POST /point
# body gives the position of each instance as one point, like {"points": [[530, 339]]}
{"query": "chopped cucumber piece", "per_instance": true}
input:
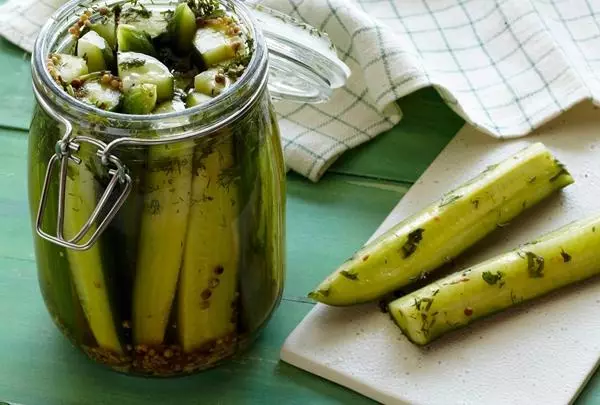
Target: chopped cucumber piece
{"points": [[140, 99], [166, 107], [153, 23], [137, 68], [102, 95], [215, 46], [195, 98], [69, 67], [95, 50], [211, 82], [182, 28], [107, 30], [131, 39]]}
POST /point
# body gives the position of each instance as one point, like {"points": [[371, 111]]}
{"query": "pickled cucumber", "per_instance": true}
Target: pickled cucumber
{"points": [[87, 266], [195, 98], [208, 283], [96, 52], [152, 23], [53, 267], [137, 68], [140, 99], [215, 45], [96, 89], [65, 68], [167, 189], [182, 28], [131, 39], [211, 82]]}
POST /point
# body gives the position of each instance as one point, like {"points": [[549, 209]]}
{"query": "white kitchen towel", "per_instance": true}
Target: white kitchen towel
{"points": [[506, 66]]}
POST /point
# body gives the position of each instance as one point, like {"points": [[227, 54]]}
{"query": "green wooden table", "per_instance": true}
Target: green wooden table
{"points": [[326, 223]]}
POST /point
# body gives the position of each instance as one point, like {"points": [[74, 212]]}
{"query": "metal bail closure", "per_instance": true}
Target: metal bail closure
{"points": [[303, 63], [102, 213]]}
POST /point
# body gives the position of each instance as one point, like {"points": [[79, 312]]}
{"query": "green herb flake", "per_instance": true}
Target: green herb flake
{"points": [[475, 203], [565, 256], [349, 275], [133, 63], [414, 238], [491, 278], [563, 171], [532, 180], [535, 265]]}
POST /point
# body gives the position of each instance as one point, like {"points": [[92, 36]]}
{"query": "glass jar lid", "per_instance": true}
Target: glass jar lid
{"points": [[303, 63]]}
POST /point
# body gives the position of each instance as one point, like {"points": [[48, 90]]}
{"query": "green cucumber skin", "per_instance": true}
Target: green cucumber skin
{"points": [[570, 254], [54, 274], [439, 233]]}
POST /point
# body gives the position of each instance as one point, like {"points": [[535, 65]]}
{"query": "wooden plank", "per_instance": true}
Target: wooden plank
{"points": [[328, 221], [404, 152], [16, 97]]}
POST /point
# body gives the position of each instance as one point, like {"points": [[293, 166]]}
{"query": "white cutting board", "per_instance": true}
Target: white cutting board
{"points": [[539, 353]]}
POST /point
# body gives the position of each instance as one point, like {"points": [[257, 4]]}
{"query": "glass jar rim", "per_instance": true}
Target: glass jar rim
{"points": [[225, 109]]}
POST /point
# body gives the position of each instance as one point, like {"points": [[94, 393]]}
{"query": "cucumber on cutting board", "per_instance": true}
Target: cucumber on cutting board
{"points": [[560, 258], [440, 232]]}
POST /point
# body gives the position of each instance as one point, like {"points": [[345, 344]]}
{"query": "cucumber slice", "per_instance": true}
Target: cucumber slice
{"points": [[98, 94], [195, 98], [211, 82], [107, 30], [137, 68], [95, 50], [182, 28], [174, 105], [131, 39], [140, 99], [153, 23], [215, 46], [68, 67]]}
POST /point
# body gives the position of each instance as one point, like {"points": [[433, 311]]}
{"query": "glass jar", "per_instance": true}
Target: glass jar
{"points": [[160, 239]]}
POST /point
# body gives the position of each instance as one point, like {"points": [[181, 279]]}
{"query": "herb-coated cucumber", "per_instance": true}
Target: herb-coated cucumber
{"points": [[131, 39], [167, 188], [87, 266], [208, 282], [560, 258], [140, 99], [96, 51], [138, 68], [443, 230]]}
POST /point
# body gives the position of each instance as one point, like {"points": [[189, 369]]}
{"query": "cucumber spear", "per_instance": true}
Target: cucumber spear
{"points": [[87, 269], [208, 282], [164, 222], [439, 233], [560, 258]]}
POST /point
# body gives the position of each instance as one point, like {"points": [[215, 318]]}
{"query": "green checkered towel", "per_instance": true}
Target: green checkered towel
{"points": [[506, 66]]}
